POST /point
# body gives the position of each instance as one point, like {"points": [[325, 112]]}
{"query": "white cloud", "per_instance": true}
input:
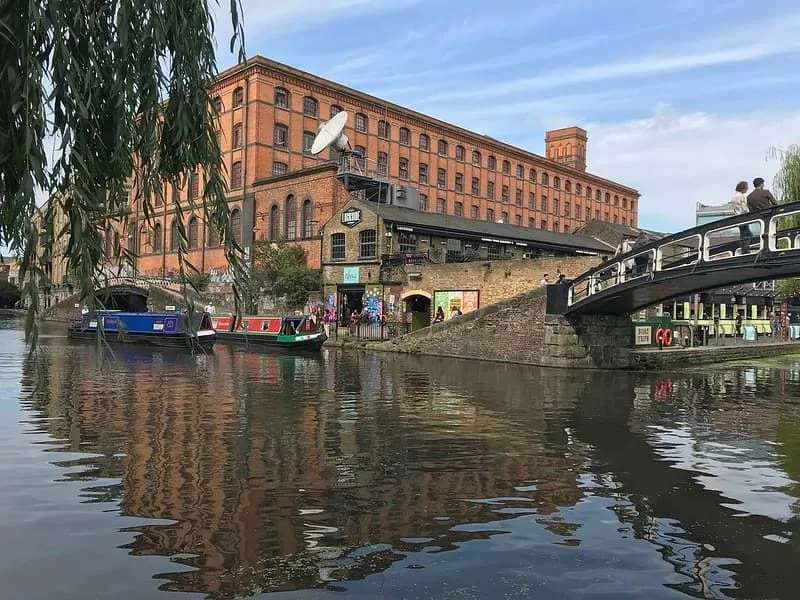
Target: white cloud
{"points": [[776, 37], [676, 160]]}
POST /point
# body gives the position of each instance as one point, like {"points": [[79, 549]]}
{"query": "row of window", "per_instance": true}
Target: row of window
{"points": [[194, 184], [361, 122], [580, 213], [289, 231], [153, 238], [367, 245]]}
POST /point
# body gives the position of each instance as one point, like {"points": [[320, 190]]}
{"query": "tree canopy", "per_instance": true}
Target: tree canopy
{"points": [[281, 272], [97, 98]]}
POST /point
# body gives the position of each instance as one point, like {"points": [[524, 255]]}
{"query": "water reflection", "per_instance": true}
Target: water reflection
{"points": [[416, 477]]}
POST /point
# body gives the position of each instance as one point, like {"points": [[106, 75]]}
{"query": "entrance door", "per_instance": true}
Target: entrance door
{"points": [[420, 309], [350, 300]]}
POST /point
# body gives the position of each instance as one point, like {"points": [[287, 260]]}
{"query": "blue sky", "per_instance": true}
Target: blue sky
{"points": [[681, 99]]}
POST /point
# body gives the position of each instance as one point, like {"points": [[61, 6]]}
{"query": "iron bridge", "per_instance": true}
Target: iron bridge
{"points": [[750, 247]]}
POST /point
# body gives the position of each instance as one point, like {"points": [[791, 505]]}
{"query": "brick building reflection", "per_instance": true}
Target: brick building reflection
{"points": [[265, 460]]}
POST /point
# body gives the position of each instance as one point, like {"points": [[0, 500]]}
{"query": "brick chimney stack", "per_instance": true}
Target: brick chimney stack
{"points": [[567, 146]]}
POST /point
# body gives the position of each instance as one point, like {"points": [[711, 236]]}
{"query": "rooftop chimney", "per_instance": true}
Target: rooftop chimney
{"points": [[567, 146]]}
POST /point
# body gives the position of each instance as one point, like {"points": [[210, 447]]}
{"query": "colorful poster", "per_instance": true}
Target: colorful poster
{"points": [[453, 302], [350, 275], [329, 297], [373, 300]]}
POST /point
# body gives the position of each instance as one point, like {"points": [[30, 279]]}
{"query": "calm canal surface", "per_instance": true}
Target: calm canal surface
{"points": [[378, 476]]}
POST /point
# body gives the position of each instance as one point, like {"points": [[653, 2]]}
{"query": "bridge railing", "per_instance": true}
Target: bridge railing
{"points": [[752, 234]]}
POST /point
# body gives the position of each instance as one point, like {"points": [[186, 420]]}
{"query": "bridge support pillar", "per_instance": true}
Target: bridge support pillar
{"points": [[588, 341]]}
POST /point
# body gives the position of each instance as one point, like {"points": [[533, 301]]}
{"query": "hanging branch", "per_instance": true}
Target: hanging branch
{"points": [[120, 89]]}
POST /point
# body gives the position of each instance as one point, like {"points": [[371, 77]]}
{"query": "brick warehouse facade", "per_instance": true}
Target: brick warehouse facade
{"points": [[268, 115]]}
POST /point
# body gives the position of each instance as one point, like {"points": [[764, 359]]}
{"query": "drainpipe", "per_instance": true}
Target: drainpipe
{"points": [[245, 124]]}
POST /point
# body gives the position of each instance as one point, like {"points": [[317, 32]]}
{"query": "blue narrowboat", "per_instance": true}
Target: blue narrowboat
{"points": [[171, 329]]}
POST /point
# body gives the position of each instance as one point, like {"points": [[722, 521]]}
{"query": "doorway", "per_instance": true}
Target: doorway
{"points": [[419, 307], [351, 299]]}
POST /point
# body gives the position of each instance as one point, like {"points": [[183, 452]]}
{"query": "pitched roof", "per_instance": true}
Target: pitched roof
{"points": [[504, 231], [612, 234]]}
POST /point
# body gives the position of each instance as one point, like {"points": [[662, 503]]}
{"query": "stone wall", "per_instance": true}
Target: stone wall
{"points": [[680, 358], [497, 280], [518, 330], [510, 331]]}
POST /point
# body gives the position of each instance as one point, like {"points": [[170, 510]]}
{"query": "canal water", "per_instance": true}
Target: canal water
{"points": [[239, 473]]}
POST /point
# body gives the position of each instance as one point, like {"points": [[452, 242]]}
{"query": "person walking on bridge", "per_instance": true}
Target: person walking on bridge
{"points": [[759, 198]]}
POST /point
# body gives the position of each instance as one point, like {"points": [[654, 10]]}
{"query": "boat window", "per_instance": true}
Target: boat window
{"points": [[265, 326]]}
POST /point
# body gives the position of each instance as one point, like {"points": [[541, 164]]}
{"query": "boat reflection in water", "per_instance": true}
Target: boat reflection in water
{"points": [[281, 473]]}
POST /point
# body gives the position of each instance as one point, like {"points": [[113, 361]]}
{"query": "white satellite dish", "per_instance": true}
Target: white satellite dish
{"points": [[330, 134]]}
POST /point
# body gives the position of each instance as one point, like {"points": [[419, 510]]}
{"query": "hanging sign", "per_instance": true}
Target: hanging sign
{"points": [[351, 217]]}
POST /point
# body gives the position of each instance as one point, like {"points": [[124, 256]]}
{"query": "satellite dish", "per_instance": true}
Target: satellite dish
{"points": [[330, 134]]}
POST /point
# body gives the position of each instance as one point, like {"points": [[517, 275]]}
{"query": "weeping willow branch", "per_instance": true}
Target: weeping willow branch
{"points": [[120, 89]]}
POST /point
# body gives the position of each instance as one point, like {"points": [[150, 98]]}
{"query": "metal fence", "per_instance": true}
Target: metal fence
{"points": [[372, 331]]}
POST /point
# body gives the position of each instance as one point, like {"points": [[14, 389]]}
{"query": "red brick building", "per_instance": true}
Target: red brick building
{"points": [[269, 114]]}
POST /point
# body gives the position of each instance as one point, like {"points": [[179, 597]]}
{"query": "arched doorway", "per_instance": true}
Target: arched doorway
{"points": [[418, 305]]}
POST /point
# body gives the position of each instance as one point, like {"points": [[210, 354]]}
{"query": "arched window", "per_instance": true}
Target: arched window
{"points": [[281, 98], [308, 141], [383, 163], [506, 167], [144, 241], [193, 233], [588, 191], [307, 219], [236, 136], [238, 97], [236, 175], [290, 231], [557, 182], [459, 152], [442, 148], [532, 175], [310, 106], [608, 197], [280, 135], [424, 142], [213, 235], [520, 171], [491, 163], [194, 184], [176, 193], [405, 136], [361, 157], [578, 189], [383, 129], [361, 122], [476, 158], [158, 232], [174, 236], [545, 179], [236, 225], [568, 186], [216, 105], [616, 200], [335, 110], [274, 223]]}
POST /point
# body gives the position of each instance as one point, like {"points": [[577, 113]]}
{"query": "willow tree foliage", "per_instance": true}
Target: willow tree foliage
{"points": [[787, 180], [787, 189], [98, 97]]}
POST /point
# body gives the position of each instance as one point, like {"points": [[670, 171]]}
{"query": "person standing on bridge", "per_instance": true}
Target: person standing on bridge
{"points": [[739, 203], [759, 198]]}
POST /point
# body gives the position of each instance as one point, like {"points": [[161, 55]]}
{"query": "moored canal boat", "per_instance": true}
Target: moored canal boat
{"points": [[170, 329], [298, 333]]}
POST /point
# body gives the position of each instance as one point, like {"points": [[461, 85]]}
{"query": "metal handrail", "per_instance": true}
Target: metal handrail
{"points": [[697, 241]]}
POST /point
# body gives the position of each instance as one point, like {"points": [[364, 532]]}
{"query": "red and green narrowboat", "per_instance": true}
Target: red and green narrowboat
{"points": [[301, 332]]}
